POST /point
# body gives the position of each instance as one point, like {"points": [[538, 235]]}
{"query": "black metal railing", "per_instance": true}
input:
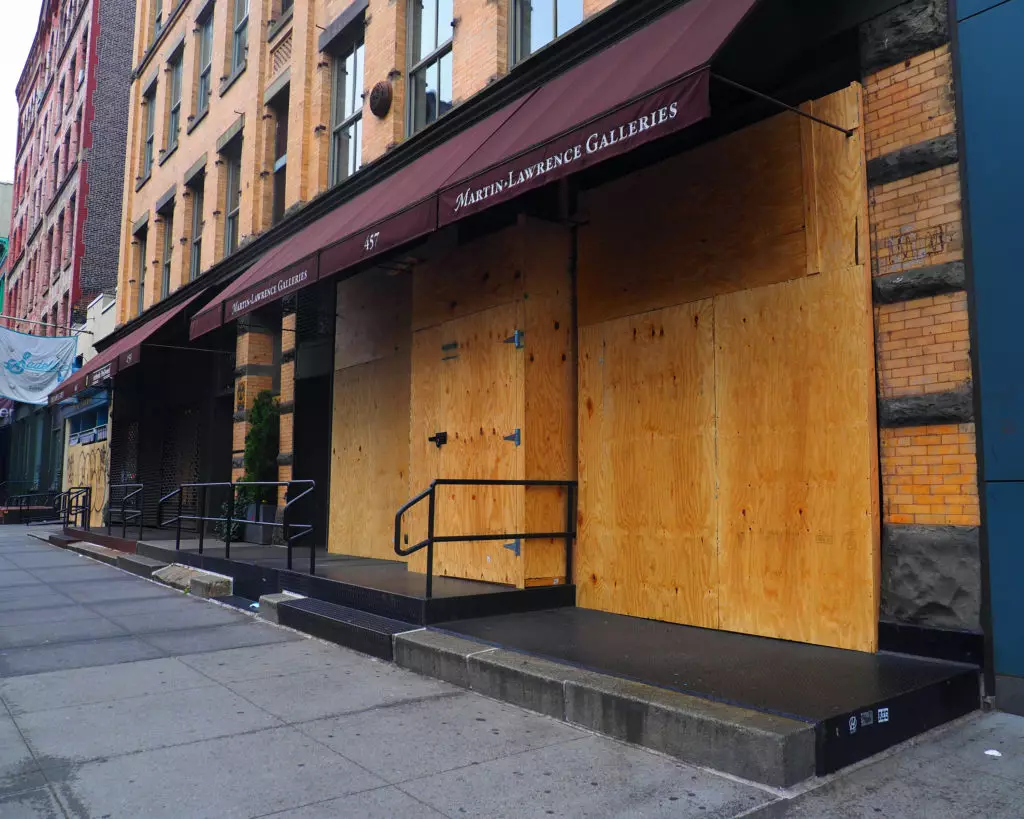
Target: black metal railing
{"points": [[38, 507], [290, 531], [12, 489], [130, 506], [430, 495], [74, 506]]}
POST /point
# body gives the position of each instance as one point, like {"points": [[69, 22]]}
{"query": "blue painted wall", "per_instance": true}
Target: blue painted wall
{"points": [[992, 91]]}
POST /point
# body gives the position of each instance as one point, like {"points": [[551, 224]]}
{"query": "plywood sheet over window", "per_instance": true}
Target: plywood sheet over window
{"points": [[728, 472], [648, 539]]}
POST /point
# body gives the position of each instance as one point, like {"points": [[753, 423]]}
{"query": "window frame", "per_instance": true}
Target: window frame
{"points": [[239, 35], [198, 191], [149, 132], [204, 72], [142, 251], [167, 251], [440, 51], [354, 46], [175, 66], [515, 30], [232, 207]]}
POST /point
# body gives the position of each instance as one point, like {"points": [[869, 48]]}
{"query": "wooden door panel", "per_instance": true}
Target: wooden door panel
{"points": [[483, 403]]}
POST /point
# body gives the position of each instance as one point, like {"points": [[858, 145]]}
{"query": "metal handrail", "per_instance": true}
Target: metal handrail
{"points": [[75, 503], [134, 513], [230, 519], [430, 494]]}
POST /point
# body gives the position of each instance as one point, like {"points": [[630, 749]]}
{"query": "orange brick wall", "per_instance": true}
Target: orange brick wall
{"points": [[916, 221], [923, 345], [909, 103], [929, 475]]}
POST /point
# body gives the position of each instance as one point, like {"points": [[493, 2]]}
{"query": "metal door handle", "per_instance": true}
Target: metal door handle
{"points": [[439, 439]]}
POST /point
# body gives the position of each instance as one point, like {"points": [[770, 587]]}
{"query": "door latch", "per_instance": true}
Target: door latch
{"points": [[449, 351], [439, 439], [515, 546], [516, 339], [516, 438]]}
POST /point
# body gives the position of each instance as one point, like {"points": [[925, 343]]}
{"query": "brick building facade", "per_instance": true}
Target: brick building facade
{"points": [[70, 158]]}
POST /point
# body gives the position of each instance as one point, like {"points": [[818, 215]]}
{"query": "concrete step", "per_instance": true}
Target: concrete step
{"points": [[352, 628], [62, 540], [757, 746], [195, 581], [95, 551], [137, 564]]}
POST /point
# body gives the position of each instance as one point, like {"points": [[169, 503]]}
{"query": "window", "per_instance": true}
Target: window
{"points": [[537, 22], [233, 169], [280, 108], [149, 115], [196, 250], [204, 55], [140, 270], [240, 38], [347, 112], [430, 81], [158, 18], [286, 6], [173, 103], [167, 254]]}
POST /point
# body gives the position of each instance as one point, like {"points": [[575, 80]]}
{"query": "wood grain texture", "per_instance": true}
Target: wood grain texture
{"points": [[795, 391], [549, 391], [373, 316], [370, 456], [723, 217], [647, 539]]}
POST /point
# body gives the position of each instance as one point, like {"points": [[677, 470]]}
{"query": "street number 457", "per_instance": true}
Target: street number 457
{"points": [[371, 241]]}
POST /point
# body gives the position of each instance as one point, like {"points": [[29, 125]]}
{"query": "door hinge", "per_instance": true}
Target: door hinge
{"points": [[516, 339], [439, 439], [516, 438], [515, 546], [449, 351]]}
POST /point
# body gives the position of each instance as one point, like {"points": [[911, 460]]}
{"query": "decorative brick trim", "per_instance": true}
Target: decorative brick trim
{"points": [[910, 29], [255, 369], [913, 159], [954, 407], [285, 459], [920, 283]]}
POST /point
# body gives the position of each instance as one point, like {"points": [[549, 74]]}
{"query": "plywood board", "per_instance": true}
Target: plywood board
{"points": [[369, 456], [549, 427], [723, 217], [373, 317], [473, 277], [647, 542], [795, 394]]}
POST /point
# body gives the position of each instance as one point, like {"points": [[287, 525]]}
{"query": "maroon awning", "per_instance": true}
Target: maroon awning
{"points": [[398, 209], [648, 85], [120, 355]]}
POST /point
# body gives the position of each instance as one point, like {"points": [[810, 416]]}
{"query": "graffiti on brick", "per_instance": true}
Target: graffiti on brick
{"points": [[908, 247]]}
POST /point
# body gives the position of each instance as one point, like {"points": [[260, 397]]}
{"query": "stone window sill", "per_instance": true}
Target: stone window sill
{"points": [[278, 25], [194, 121], [166, 154], [139, 185], [228, 81]]}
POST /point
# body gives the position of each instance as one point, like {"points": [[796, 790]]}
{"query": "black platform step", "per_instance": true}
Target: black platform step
{"points": [[238, 602], [352, 628], [62, 540]]}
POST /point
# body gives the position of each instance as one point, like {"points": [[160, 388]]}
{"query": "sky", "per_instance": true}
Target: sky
{"points": [[19, 27]]}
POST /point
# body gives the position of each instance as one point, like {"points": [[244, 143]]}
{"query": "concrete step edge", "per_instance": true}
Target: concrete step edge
{"points": [[139, 564], [760, 747], [95, 551]]}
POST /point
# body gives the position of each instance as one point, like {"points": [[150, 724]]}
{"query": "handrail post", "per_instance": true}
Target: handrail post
{"points": [[570, 522], [88, 507], [284, 526], [231, 514], [177, 530], [124, 520], [141, 509], [430, 542], [202, 516], [110, 509]]}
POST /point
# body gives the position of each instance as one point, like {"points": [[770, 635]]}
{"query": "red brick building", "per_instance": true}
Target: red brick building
{"points": [[71, 134]]}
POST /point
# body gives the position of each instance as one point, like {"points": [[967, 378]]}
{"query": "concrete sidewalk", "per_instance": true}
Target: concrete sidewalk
{"points": [[124, 698]]}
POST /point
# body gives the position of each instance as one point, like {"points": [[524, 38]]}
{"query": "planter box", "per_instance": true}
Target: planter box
{"points": [[256, 531]]}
